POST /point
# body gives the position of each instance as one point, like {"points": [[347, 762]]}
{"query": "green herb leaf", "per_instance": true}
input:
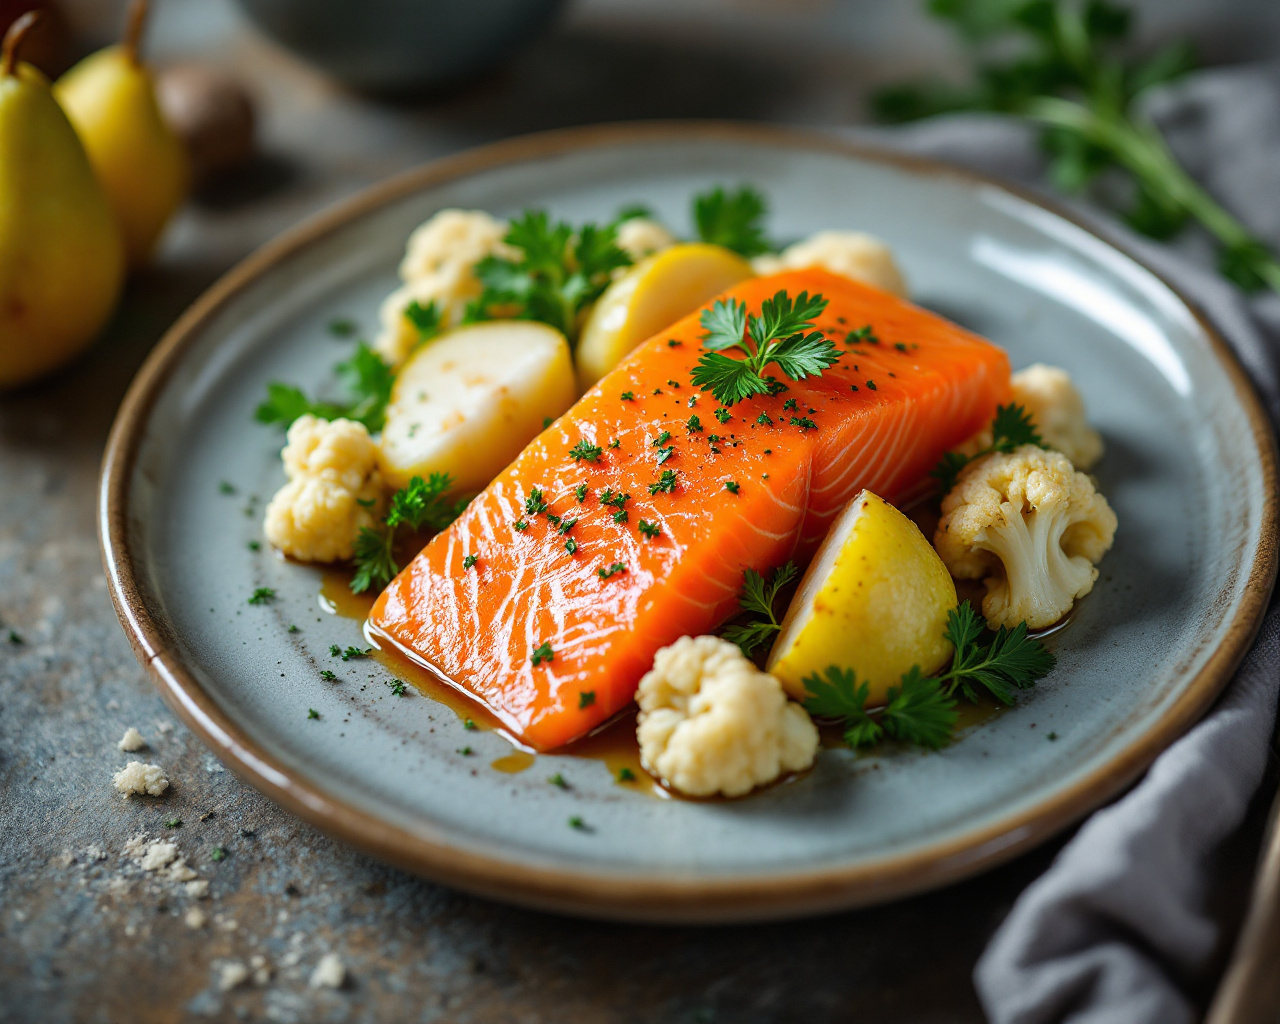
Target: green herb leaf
{"points": [[732, 219], [757, 601], [542, 653], [1011, 428]]}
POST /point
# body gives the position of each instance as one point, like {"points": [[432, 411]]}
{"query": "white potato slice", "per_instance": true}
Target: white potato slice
{"points": [[467, 403]]}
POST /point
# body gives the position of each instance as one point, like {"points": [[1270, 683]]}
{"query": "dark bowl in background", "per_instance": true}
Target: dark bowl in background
{"points": [[401, 46]]}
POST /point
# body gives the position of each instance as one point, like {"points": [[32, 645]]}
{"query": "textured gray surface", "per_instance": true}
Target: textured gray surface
{"points": [[88, 939]]}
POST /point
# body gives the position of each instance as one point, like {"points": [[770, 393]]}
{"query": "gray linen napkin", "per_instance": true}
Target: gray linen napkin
{"points": [[1119, 930]]}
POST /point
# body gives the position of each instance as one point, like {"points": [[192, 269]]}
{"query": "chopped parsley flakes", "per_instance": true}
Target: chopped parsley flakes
{"points": [[586, 699], [262, 595], [732, 486], [585, 450], [666, 482], [469, 561], [650, 530], [542, 653], [613, 570]]}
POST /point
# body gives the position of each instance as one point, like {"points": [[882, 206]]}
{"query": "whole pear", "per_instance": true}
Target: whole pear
{"points": [[110, 97], [61, 255]]}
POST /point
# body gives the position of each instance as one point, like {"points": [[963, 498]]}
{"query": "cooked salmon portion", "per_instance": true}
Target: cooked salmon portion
{"points": [[629, 521]]}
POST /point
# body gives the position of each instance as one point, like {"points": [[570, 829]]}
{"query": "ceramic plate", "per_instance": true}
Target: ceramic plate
{"points": [[1189, 469]]}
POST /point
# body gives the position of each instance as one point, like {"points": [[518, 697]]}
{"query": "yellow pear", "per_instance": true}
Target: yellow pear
{"points": [[111, 99], [61, 257]]}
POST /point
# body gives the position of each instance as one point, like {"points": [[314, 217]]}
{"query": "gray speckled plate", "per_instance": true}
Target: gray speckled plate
{"points": [[1189, 469]]}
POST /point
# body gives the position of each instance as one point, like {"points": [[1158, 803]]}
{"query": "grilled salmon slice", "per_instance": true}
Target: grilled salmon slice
{"points": [[629, 521]]}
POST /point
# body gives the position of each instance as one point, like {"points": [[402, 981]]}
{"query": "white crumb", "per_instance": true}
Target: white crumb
{"points": [[95, 853], [131, 740], [261, 969], [157, 855], [163, 727], [195, 918], [134, 846], [144, 779], [329, 972], [198, 889], [180, 871], [232, 975]]}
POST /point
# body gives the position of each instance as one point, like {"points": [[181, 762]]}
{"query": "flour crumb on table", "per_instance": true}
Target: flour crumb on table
{"points": [[232, 975], [141, 779], [195, 918], [329, 972], [131, 740]]}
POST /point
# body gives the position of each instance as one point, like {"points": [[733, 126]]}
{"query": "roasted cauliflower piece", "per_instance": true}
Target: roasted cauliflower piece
{"points": [[639, 237], [1032, 527], [334, 489], [711, 722], [851, 254], [439, 266], [1055, 406]]}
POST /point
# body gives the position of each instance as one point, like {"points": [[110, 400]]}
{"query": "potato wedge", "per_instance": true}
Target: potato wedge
{"points": [[467, 403], [875, 599], [654, 293]]}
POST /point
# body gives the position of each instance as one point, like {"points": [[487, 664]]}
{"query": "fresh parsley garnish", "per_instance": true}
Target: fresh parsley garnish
{"points": [[369, 381], [1011, 427], [571, 546], [328, 675], [558, 780], [665, 453], [542, 653], [559, 272], [732, 219], [425, 319], [423, 504], [356, 652], [777, 336], [312, 713], [723, 415], [661, 439], [580, 492], [757, 600], [628, 396], [586, 698], [803, 422], [921, 709], [649, 529], [520, 525], [469, 560], [399, 688], [613, 570], [535, 503], [693, 425], [626, 775], [666, 482], [262, 595], [586, 450], [732, 486], [862, 336]]}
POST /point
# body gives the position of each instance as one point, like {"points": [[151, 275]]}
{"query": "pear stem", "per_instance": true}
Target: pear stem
{"points": [[13, 40], [137, 21]]}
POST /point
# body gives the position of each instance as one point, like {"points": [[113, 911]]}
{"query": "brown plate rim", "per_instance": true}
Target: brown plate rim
{"points": [[604, 894]]}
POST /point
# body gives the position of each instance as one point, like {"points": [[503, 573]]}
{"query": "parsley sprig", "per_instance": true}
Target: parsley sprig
{"points": [[423, 504], [921, 709], [560, 271], [757, 600], [1070, 72], [732, 219], [369, 381], [1011, 427], [776, 336]]}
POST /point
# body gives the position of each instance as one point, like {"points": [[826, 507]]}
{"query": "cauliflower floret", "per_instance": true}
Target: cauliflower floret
{"points": [[639, 237], [334, 489], [1050, 397], [851, 254], [711, 722], [1032, 527], [439, 266]]}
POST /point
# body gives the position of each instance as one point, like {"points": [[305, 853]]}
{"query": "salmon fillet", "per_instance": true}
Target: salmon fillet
{"points": [[881, 418]]}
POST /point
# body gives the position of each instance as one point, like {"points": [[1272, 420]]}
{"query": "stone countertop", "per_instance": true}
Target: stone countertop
{"points": [[86, 934]]}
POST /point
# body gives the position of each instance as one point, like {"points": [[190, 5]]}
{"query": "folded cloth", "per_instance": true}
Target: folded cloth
{"points": [[1119, 930]]}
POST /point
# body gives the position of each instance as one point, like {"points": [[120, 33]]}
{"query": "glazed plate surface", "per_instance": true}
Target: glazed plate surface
{"points": [[1189, 469]]}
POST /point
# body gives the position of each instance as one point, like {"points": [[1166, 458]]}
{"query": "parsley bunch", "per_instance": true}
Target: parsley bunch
{"points": [[1011, 428], [1069, 72], [559, 272], [776, 336], [369, 381], [922, 709], [757, 600], [423, 504]]}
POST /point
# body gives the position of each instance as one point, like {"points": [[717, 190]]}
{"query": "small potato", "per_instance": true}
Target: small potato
{"points": [[467, 403]]}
